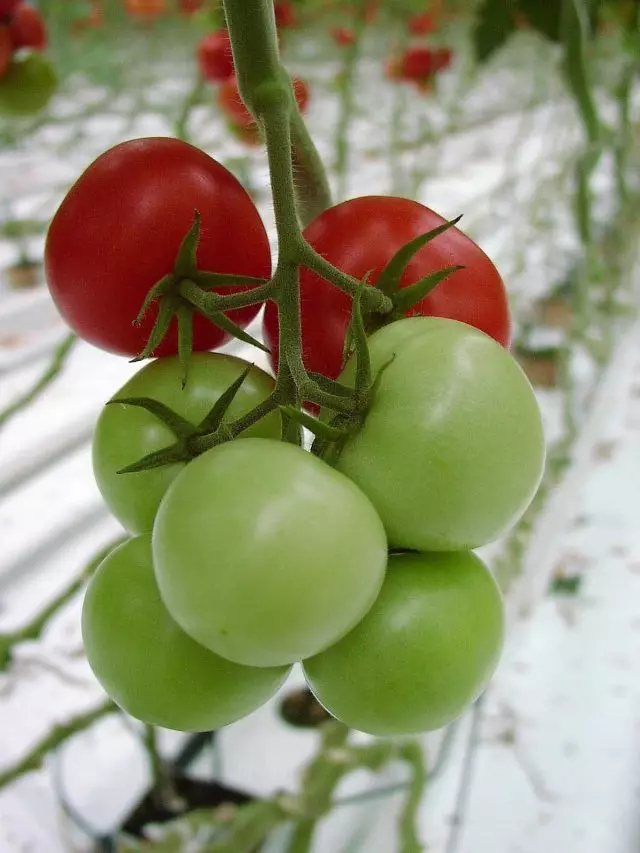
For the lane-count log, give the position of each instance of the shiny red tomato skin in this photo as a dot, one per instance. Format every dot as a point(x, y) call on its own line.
point(27, 28)
point(119, 229)
point(360, 236)
point(215, 59)
point(6, 50)
point(285, 15)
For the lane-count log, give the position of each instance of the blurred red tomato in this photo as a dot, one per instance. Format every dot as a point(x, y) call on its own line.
point(27, 28)
point(188, 7)
point(214, 56)
point(233, 106)
point(343, 36)
point(286, 17)
point(422, 24)
point(6, 50)
point(145, 8)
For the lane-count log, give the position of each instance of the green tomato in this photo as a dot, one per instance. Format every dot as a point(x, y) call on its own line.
point(148, 665)
point(265, 554)
point(124, 434)
point(452, 450)
point(27, 86)
point(422, 654)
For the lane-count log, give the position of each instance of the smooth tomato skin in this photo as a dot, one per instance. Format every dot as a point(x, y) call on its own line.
point(148, 665)
point(28, 28)
point(360, 236)
point(6, 50)
point(215, 58)
point(118, 232)
point(124, 434)
point(28, 85)
point(452, 449)
point(8, 7)
point(422, 654)
point(265, 554)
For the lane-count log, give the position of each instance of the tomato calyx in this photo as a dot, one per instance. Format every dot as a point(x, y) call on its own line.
point(403, 298)
point(186, 290)
point(185, 448)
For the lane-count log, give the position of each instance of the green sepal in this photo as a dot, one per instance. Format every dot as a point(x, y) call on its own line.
point(318, 428)
point(203, 303)
point(179, 426)
point(409, 296)
point(212, 421)
point(389, 280)
point(166, 310)
point(186, 261)
point(208, 280)
point(167, 456)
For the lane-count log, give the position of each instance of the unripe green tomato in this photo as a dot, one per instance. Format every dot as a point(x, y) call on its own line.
point(452, 449)
point(124, 434)
point(422, 654)
point(265, 554)
point(27, 86)
point(148, 665)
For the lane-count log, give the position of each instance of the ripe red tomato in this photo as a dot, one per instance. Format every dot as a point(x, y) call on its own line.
point(145, 8)
point(286, 17)
point(360, 236)
point(214, 56)
point(442, 58)
point(118, 231)
point(6, 50)
point(417, 62)
point(343, 36)
point(233, 106)
point(7, 7)
point(422, 24)
point(188, 7)
point(92, 21)
point(28, 28)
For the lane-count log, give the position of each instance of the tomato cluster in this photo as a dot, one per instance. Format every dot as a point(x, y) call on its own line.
point(27, 80)
point(215, 61)
point(250, 554)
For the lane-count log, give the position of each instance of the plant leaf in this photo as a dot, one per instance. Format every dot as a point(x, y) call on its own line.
point(494, 24)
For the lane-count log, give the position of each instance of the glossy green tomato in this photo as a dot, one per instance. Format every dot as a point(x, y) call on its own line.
point(452, 449)
point(124, 434)
point(425, 650)
point(148, 665)
point(265, 554)
point(27, 86)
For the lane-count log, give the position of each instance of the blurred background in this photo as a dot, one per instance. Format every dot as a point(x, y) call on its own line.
point(525, 118)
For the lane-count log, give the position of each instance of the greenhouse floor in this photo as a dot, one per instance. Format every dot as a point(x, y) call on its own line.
point(547, 761)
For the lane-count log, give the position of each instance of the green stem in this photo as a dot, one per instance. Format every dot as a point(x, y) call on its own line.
point(181, 127)
point(55, 738)
point(313, 195)
point(55, 367)
point(34, 629)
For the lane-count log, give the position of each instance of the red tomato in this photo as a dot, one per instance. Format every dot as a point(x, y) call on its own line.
point(233, 106)
point(145, 8)
point(393, 68)
point(6, 50)
point(442, 58)
point(422, 24)
point(118, 231)
point(248, 134)
point(360, 236)
point(92, 21)
point(417, 62)
point(27, 28)
point(8, 7)
point(286, 17)
point(188, 7)
point(214, 56)
point(343, 36)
